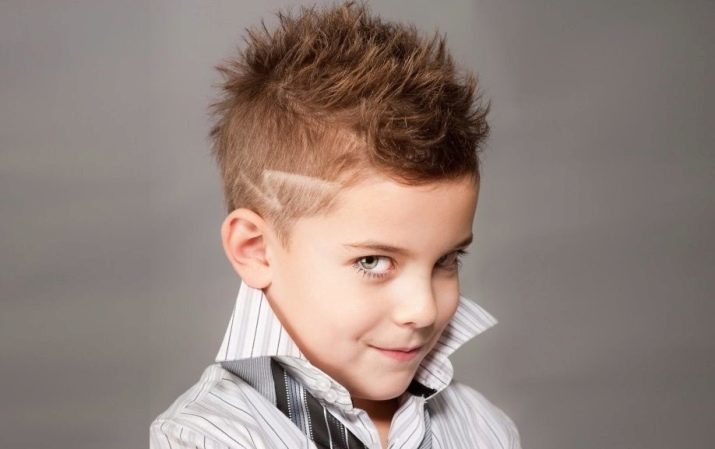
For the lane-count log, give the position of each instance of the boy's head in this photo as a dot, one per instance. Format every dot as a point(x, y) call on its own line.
point(334, 130)
point(334, 94)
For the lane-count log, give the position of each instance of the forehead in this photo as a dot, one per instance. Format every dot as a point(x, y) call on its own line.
point(380, 209)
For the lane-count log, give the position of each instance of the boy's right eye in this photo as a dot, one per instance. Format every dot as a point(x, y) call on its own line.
point(367, 266)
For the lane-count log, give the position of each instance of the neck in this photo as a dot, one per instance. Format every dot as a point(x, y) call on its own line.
point(378, 411)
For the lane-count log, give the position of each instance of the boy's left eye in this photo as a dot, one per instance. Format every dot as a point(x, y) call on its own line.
point(368, 265)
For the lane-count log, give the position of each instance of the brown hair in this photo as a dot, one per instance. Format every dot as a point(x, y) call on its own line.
point(332, 94)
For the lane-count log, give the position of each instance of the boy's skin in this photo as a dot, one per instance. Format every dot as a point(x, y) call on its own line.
point(338, 315)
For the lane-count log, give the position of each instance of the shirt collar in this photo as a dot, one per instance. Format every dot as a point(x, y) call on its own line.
point(255, 331)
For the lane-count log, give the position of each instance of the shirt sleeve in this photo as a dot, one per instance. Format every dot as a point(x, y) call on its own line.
point(168, 434)
point(499, 423)
point(514, 441)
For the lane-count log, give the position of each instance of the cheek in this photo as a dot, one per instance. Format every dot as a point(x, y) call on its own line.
point(451, 308)
point(352, 319)
point(448, 309)
point(333, 310)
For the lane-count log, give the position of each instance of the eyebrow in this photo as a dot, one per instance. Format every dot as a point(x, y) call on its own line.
point(383, 247)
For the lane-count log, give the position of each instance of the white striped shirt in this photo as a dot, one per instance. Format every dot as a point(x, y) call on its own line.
point(223, 411)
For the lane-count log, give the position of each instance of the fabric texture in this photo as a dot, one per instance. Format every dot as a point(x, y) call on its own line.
point(262, 392)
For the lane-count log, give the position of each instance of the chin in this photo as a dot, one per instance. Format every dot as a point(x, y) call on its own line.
point(384, 391)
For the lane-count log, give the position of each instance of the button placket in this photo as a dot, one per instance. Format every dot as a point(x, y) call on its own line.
point(331, 395)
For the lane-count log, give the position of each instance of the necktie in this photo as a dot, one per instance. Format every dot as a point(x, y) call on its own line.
point(268, 377)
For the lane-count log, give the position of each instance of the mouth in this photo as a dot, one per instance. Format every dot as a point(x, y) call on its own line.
point(400, 354)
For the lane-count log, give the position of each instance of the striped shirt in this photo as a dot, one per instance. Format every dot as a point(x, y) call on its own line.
point(262, 392)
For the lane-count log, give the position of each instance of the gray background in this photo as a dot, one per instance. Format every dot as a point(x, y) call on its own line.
point(593, 248)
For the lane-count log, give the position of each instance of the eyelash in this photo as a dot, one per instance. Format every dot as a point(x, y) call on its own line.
point(454, 267)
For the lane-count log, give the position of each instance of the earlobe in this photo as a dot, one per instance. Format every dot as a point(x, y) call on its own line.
point(242, 236)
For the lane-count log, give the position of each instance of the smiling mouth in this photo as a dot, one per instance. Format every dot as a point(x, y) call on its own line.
point(400, 354)
point(414, 348)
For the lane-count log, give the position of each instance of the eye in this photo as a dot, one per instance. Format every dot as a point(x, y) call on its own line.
point(366, 266)
point(379, 266)
point(453, 260)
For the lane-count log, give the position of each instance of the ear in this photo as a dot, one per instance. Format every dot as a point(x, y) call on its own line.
point(244, 242)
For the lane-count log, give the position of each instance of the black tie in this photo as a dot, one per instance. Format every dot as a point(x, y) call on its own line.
point(267, 376)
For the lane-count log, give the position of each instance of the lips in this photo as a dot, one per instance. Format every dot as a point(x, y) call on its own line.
point(403, 349)
point(401, 354)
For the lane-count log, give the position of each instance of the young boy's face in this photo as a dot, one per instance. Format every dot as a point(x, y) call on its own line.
point(343, 304)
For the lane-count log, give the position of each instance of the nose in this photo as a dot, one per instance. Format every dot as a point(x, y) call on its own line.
point(417, 306)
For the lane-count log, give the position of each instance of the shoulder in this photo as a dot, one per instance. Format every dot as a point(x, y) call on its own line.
point(215, 413)
point(466, 407)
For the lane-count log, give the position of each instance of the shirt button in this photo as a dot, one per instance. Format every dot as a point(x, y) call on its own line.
point(322, 385)
point(331, 395)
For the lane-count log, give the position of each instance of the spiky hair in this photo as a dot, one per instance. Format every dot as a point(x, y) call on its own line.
point(333, 93)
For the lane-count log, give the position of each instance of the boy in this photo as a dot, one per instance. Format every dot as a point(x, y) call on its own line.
point(348, 150)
